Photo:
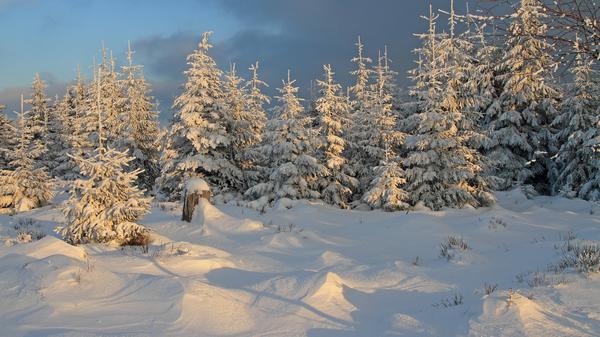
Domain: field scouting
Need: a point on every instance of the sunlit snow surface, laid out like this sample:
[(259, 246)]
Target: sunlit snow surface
[(310, 270)]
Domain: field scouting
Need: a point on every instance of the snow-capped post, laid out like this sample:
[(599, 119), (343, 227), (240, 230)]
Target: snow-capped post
[(195, 189)]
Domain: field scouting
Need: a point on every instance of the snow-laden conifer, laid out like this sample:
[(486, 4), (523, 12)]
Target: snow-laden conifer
[(578, 132), (199, 144), (37, 120), (254, 101), (332, 113), (441, 171), (360, 132), (83, 124), (519, 124), (288, 144), (105, 203), (112, 99), (385, 187), (245, 122), (7, 138), (24, 185), (141, 128), (60, 130)]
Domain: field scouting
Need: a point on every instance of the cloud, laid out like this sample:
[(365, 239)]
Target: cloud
[(165, 56), (297, 35), (301, 35)]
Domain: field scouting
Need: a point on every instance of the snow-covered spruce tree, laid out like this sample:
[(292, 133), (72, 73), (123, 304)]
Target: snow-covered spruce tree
[(457, 54), (483, 83), (37, 120), (254, 100), (440, 170), (484, 74), (60, 131), (200, 144), (578, 131), (38, 114), (81, 127), (245, 122), (519, 126), (105, 203), (141, 131), (169, 185), (24, 185), (84, 119), (385, 189), (7, 138), (461, 86), (332, 112), (359, 131), (113, 101), (288, 144), (390, 81)]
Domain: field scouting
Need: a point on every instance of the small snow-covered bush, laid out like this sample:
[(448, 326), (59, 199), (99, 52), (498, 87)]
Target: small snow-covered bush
[(451, 244), (489, 288), (496, 223), (28, 230), (583, 258), (539, 279), (291, 228), (453, 301)]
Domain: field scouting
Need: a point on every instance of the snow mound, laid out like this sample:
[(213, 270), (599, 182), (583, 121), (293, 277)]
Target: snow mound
[(517, 315), (194, 266), (327, 296), (47, 246), (369, 279), (215, 221), (406, 325), (331, 258), (211, 311)]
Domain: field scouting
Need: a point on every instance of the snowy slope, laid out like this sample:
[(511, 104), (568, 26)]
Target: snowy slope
[(310, 270)]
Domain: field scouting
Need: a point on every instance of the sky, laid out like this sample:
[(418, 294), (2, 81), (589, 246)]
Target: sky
[(54, 37)]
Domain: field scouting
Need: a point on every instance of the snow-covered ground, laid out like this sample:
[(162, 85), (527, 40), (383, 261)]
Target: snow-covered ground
[(310, 270)]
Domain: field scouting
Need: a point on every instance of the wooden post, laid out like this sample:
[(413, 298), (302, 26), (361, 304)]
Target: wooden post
[(191, 199), (190, 202)]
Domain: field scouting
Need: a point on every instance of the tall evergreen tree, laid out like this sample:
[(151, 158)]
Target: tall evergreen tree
[(579, 131), (37, 120), (141, 132), (441, 171), (254, 101), (385, 188), (84, 123), (289, 144), (390, 81), (7, 138), (112, 99), (60, 130), (332, 109), (24, 185), (519, 126), (360, 131), (245, 122), (199, 144)]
